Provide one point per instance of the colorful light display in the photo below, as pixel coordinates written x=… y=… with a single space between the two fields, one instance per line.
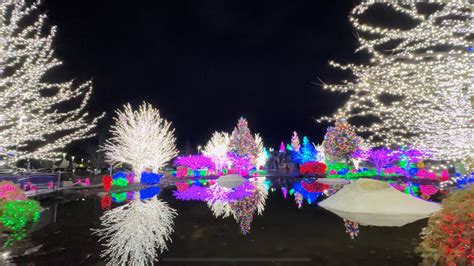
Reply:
x=341 y=141
x=195 y=162
x=11 y=191
x=242 y=142
x=447 y=240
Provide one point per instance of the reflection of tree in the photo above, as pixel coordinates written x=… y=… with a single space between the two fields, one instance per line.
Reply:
x=135 y=231
x=352 y=228
x=242 y=210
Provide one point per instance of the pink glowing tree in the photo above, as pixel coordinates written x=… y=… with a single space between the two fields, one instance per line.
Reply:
x=195 y=162
x=241 y=164
x=282 y=147
x=381 y=158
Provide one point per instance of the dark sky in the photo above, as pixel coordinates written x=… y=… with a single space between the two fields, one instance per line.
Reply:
x=206 y=63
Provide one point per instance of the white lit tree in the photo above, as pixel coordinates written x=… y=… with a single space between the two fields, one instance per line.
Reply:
x=37 y=118
x=418 y=85
x=262 y=154
x=141 y=138
x=137 y=232
x=217 y=148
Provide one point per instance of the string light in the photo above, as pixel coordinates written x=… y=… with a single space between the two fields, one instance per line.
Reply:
x=217 y=148
x=428 y=70
x=135 y=233
x=32 y=124
x=141 y=138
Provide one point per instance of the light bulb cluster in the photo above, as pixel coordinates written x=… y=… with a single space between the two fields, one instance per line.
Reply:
x=33 y=121
x=217 y=148
x=137 y=232
x=141 y=138
x=428 y=73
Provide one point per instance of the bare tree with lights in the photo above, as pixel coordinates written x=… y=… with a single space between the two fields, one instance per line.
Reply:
x=418 y=85
x=37 y=118
x=217 y=148
x=141 y=138
x=137 y=232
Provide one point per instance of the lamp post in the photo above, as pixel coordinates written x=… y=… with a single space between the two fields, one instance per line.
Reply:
x=73 y=167
x=199 y=149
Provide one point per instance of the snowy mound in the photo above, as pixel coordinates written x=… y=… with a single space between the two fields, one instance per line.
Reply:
x=372 y=202
x=231 y=181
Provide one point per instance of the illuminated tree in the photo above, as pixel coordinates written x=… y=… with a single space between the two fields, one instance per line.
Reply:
x=381 y=158
x=195 y=162
x=135 y=233
x=307 y=152
x=263 y=154
x=418 y=85
x=340 y=141
x=447 y=240
x=295 y=142
x=242 y=142
x=217 y=148
x=141 y=138
x=37 y=118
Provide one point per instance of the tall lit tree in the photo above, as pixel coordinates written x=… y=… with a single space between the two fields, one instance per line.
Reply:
x=307 y=152
x=418 y=85
x=217 y=148
x=341 y=141
x=141 y=138
x=295 y=142
x=135 y=233
x=263 y=155
x=242 y=142
x=34 y=122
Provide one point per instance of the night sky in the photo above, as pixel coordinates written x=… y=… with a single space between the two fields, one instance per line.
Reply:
x=206 y=63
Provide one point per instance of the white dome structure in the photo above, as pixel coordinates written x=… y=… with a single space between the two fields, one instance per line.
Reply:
x=372 y=202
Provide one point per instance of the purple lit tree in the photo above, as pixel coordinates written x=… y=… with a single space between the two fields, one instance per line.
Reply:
x=195 y=162
x=241 y=164
x=381 y=158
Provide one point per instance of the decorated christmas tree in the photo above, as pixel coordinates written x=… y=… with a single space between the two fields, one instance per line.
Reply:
x=447 y=239
x=340 y=141
x=242 y=141
x=307 y=152
x=295 y=142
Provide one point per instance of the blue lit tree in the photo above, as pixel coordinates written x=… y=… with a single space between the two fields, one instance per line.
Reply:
x=307 y=152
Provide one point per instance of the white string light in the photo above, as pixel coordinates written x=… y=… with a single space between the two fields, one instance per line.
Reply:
x=141 y=138
x=32 y=124
x=217 y=148
x=429 y=70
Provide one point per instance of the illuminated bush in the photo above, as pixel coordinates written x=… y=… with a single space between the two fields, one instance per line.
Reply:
x=447 y=239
